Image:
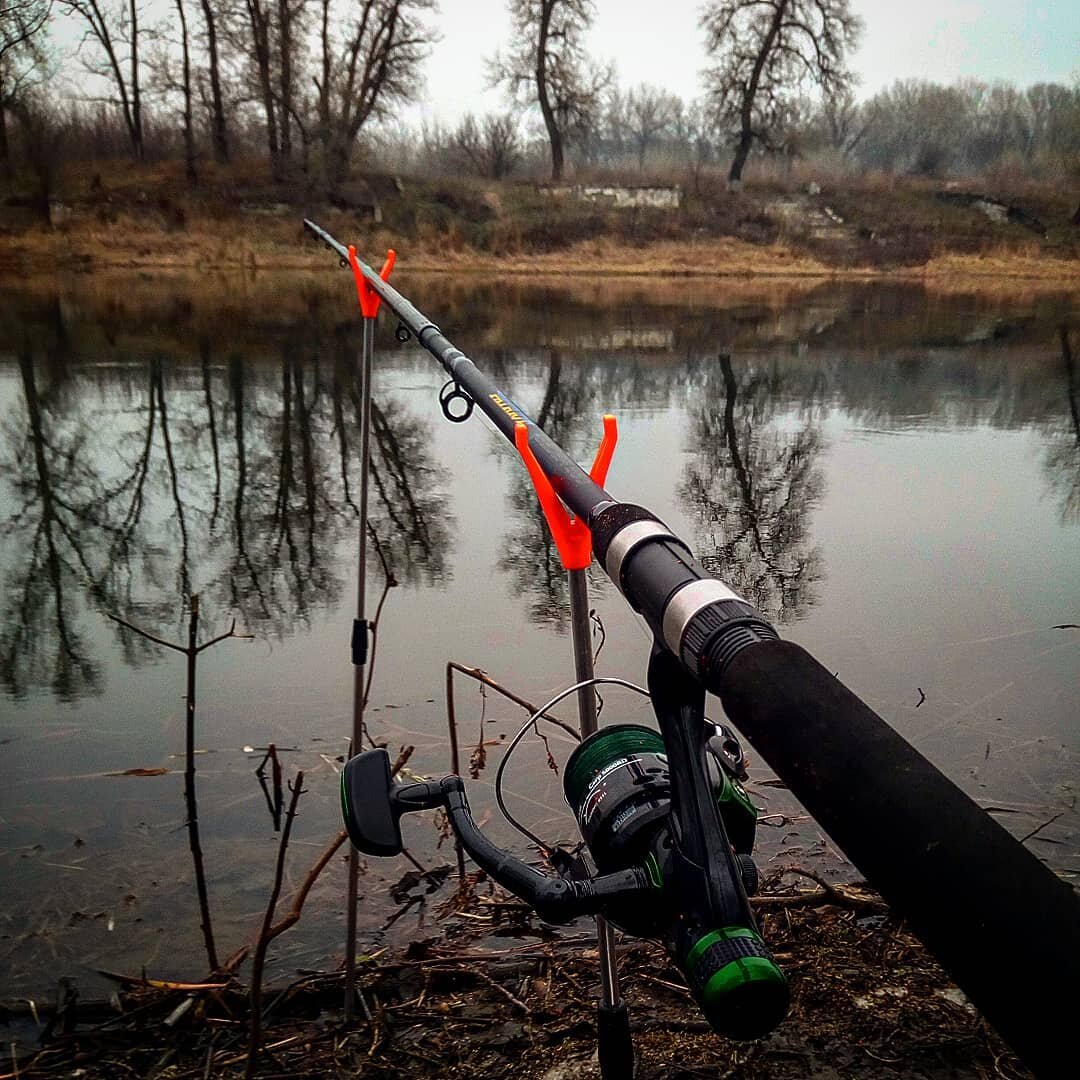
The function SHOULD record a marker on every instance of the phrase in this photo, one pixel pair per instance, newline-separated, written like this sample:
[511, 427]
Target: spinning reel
[668, 826]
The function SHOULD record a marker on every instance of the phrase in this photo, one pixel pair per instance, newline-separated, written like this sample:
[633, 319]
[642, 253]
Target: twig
[827, 893]
[402, 759]
[1039, 828]
[483, 677]
[483, 976]
[455, 759]
[274, 804]
[433, 880]
[145, 633]
[389, 582]
[301, 895]
[266, 936]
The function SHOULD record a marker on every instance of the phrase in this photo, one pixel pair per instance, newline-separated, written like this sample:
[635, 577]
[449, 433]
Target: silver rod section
[583, 665]
[583, 656]
[359, 670]
[609, 965]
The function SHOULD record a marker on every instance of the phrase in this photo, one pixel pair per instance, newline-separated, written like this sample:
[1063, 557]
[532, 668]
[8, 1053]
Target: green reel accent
[734, 980]
[598, 751]
[733, 792]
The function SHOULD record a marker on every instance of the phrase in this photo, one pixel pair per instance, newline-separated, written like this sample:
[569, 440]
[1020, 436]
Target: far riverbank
[946, 235]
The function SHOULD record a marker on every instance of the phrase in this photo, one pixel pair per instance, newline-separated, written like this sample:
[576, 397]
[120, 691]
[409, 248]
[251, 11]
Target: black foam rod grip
[1003, 925]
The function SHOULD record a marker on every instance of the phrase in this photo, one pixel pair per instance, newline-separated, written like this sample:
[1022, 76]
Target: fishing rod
[1003, 925]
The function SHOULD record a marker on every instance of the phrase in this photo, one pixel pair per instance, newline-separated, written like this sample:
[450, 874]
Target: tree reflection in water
[135, 487]
[1062, 463]
[48, 523]
[750, 487]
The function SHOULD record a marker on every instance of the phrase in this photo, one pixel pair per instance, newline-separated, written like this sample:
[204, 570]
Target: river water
[892, 476]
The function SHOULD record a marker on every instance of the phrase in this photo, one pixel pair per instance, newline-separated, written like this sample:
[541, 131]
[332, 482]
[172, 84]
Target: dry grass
[142, 242]
[1002, 267]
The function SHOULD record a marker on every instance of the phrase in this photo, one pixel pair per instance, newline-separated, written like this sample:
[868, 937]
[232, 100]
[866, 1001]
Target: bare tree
[846, 121]
[370, 56]
[697, 127]
[765, 51]
[751, 485]
[21, 22]
[650, 111]
[218, 127]
[260, 43]
[115, 28]
[1055, 120]
[548, 66]
[489, 149]
[189, 133]
[288, 16]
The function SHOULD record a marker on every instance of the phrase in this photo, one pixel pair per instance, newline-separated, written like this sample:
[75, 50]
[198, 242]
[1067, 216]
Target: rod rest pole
[1003, 925]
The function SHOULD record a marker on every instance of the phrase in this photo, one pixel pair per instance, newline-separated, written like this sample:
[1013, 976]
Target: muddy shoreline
[489, 991]
[47, 256]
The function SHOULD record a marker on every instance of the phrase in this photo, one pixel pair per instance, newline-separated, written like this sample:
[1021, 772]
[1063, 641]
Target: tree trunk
[136, 96]
[260, 40]
[285, 46]
[5, 149]
[746, 112]
[322, 132]
[100, 30]
[338, 156]
[742, 152]
[189, 134]
[550, 122]
[219, 135]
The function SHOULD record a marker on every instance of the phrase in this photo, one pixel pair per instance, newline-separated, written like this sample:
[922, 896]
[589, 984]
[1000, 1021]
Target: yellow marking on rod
[507, 408]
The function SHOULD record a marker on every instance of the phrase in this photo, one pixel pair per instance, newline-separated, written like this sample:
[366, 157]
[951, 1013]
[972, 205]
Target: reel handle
[372, 803]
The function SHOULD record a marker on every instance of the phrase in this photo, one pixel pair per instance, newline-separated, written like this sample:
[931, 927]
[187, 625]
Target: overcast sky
[658, 41]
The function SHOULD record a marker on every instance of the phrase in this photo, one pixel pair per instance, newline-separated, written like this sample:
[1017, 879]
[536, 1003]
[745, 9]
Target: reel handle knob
[372, 804]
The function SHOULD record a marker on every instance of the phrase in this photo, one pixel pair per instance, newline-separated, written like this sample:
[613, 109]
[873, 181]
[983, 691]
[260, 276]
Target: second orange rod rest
[572, 536]
[368, 297]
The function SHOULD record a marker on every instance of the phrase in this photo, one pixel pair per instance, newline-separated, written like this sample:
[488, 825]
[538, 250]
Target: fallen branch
[846, 896]
[320, 864]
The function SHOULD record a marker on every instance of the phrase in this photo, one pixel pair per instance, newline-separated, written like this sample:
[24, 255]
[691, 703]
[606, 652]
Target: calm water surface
[893, 477]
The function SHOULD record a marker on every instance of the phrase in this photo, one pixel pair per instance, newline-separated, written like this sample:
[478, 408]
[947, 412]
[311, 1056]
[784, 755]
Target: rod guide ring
[450, 393]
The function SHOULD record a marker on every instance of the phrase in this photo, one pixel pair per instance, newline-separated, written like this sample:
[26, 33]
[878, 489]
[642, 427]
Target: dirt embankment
[149, 219]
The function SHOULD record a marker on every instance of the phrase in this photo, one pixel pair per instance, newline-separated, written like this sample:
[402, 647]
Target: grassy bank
[124, 217]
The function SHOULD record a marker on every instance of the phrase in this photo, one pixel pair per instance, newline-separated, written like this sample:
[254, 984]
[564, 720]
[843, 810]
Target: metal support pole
[583, 656]
[360, 639]
[613, 1028]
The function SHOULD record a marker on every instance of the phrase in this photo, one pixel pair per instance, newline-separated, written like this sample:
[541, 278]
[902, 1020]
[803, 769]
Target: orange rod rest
[368, 297]
[572, 536]
[599, 470]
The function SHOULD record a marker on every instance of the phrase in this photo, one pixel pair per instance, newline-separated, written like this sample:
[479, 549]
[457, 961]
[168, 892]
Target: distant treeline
[311, 87]
[915, 127]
